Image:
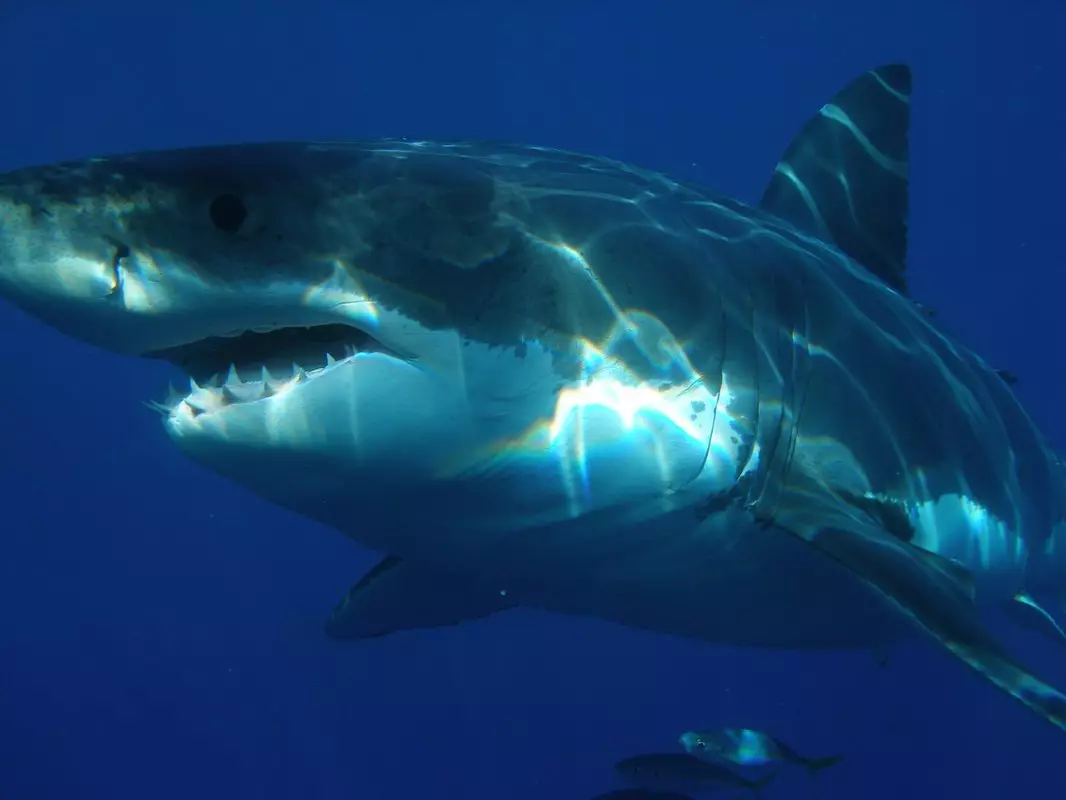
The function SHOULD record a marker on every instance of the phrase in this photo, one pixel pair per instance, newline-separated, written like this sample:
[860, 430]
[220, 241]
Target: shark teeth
[220, 392]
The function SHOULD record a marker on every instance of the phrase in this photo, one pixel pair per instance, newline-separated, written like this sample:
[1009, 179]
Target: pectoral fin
[935, 593]
[1025, 612]
[396, 596]
[950, 569]
[935, 598]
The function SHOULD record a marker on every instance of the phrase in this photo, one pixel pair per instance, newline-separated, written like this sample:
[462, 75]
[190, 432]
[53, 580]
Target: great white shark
[544, 379]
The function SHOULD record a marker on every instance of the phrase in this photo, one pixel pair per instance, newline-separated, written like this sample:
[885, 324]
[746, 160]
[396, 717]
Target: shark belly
[724, 579]
[727, 581]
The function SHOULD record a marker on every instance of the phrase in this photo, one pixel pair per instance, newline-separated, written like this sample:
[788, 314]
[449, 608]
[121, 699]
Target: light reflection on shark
[544, 379]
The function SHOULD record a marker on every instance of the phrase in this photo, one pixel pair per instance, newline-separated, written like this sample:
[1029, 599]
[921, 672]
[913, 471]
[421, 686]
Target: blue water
[161, 630]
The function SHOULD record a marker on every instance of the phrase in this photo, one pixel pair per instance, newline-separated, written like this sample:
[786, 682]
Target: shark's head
[371, 327]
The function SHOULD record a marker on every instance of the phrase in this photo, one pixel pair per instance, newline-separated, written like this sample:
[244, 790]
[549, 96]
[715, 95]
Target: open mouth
[251, 365]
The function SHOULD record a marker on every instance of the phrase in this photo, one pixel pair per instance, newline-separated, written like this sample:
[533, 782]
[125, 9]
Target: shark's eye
[228, 212]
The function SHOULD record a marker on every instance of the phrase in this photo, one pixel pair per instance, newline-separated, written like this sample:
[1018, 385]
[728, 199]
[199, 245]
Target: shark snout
[57, 273]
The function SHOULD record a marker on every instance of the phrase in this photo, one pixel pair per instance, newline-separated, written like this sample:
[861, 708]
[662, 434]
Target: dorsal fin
[844, 177]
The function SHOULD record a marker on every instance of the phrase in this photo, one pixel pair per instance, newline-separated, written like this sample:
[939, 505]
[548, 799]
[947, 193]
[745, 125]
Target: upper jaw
[277, 349]
[256, 365]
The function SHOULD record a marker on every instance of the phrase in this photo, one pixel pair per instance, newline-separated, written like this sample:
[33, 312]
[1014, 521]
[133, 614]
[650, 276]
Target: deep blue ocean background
[161, 630]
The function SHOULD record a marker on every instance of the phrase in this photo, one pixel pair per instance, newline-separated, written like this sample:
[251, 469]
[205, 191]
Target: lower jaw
[243, 384]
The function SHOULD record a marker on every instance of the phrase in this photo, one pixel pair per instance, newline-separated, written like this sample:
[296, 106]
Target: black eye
[228, 212]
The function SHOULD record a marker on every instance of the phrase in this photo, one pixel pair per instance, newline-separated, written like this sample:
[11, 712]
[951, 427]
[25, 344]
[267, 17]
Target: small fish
[641, 794]
[683, 768]
[748, 748]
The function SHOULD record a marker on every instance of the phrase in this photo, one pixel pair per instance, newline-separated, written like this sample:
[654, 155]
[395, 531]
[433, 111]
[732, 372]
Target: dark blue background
[160, 630]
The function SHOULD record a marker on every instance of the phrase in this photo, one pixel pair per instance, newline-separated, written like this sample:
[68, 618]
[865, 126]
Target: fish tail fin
[758, 784]
[816, 765]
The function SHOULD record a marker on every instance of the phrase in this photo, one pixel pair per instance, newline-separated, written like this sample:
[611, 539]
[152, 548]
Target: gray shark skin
[537, 378]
